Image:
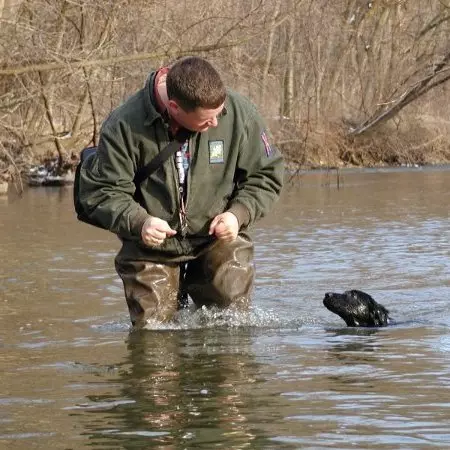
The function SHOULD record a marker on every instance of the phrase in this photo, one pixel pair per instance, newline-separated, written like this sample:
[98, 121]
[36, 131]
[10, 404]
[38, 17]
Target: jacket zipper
[187, 184]
[182, 196]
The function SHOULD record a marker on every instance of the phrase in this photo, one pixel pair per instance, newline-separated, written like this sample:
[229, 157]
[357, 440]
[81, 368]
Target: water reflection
[183, 386]
[290, 375]
[362, 341]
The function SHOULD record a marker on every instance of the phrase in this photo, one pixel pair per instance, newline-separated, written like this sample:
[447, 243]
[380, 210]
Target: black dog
[357, 308]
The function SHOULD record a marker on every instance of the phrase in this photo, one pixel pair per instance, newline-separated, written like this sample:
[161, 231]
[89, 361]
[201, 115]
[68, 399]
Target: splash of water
[204, 318]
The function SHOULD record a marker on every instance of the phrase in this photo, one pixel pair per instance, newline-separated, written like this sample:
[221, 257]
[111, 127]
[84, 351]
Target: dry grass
[413, 143]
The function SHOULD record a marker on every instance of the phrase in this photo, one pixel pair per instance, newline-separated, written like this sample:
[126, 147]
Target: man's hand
[225, 227]
[155, 231]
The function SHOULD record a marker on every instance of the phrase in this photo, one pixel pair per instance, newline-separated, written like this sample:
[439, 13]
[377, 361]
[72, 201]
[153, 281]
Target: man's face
[198, 120]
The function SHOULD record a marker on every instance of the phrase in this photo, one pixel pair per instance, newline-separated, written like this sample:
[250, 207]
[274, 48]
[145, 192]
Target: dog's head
[357, 308]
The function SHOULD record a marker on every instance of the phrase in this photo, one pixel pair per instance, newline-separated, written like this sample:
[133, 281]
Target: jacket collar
[151, 113]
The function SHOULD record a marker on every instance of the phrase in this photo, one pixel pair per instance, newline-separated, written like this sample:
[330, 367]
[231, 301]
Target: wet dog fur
[357, 309]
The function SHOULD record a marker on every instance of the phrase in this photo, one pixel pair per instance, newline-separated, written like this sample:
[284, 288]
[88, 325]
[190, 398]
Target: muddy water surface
[289, 374]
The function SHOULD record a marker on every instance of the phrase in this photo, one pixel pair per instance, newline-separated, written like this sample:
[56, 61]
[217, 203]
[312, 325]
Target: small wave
[204, 318]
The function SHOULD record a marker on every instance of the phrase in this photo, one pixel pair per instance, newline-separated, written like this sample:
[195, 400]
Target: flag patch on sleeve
[267, 147]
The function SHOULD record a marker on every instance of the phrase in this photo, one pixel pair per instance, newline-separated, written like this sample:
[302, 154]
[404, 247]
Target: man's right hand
[155, 231]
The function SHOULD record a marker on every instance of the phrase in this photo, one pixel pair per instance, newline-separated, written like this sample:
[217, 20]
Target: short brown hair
[193, 82]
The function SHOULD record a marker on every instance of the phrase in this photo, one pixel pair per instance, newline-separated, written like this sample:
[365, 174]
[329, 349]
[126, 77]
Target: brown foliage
[338, 81]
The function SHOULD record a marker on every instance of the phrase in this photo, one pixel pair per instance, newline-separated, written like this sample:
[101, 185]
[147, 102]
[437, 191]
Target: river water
[287, 375]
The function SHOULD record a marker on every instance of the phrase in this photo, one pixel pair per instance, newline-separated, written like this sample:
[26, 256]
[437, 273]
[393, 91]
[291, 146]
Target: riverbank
[335, 148]
[318, 152]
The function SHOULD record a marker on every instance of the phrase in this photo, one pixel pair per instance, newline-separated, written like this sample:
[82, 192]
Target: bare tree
[321, 63]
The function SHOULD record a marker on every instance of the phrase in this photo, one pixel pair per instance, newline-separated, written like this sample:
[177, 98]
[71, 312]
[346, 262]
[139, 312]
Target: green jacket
[233, 168]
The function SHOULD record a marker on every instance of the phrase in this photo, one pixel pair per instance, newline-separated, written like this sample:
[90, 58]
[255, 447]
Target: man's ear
[173, 106]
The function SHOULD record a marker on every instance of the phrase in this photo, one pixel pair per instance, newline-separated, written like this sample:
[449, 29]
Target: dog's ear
[359, 295]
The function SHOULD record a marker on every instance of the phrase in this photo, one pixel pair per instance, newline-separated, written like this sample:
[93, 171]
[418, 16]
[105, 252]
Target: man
[188, 232]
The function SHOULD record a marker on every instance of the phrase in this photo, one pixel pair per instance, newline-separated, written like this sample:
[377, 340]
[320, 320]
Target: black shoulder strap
[144, 172]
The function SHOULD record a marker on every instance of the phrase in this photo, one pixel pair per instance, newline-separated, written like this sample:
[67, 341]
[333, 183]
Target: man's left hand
[225, 227]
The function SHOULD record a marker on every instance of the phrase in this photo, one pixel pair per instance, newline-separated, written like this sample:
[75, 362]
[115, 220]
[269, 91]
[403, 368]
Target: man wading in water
[186, 232]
